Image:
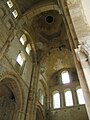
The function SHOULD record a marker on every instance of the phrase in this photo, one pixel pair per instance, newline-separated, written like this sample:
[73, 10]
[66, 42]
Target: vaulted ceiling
[49, 34]
[26, 5]
[52, 44]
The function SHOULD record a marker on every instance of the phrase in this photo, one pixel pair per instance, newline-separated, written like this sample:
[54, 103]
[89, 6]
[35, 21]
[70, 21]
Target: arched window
[15, 13]
[28, 48]
[9, 3]
[20, 58]
[56, 99]
[41, 97]
[65, 77]
[80, 96]
[68, 98]
[23, 39]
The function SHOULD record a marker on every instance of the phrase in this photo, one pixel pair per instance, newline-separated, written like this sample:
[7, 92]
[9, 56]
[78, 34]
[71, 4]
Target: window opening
[68, 98]
[15, 13]
[23, 39]
[80, 96]
[41, 97]
[65, 77]
[9, 3]
[56, 99]
[20, 58]
[28, 48]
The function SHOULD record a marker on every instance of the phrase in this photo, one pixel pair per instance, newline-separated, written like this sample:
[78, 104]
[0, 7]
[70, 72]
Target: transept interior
[44, 60]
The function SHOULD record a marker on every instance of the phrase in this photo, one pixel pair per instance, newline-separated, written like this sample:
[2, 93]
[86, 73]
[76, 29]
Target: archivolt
[30, 14]
[13, 83]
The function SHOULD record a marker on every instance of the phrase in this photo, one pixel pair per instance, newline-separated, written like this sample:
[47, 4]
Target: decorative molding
[85, 49]
[72, 1]
[11, 80]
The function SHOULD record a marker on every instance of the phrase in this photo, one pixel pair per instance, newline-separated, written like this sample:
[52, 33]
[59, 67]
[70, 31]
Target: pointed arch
[14, 84]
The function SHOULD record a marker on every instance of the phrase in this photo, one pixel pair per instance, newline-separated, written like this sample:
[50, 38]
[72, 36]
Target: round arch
[41, 9]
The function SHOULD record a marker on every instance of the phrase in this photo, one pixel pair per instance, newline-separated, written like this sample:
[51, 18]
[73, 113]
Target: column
[20, 115]
[32, 97]
[51, 101]
[84, 86]
[62, 99]
[74, 95]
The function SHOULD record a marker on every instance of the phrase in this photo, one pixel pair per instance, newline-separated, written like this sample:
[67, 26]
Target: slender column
[75, 99]
[63, 4]
[51, 101]
[62, 99]
[86, 66]
[84, 70]
[48, 102]
[32, 98]
[84, 88]
[20, 115]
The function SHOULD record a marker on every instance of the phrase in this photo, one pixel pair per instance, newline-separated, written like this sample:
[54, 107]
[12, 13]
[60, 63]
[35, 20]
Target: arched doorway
[7, 103]
[10, 99]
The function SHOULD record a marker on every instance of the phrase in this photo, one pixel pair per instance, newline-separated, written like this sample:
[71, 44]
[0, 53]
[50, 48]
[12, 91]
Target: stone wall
[70, 113]
[10, 47]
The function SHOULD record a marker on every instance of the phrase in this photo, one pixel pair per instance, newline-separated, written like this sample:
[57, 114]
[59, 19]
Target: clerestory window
[15, 13]
[20, 58]
[41, 97]
[65, 77]
[9, 3]
[80, 96]
[68, 98]
[28, 48]
[23, 39]
[56, 99]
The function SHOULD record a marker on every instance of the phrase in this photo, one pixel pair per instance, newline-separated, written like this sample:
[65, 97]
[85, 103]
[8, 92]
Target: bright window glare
[23, 39]
[65, 77]
[80, 96]
[15, 13]
[9, 3]
[28, 48]
[56, 100]
[20, 58]
[41, 97]
[68, 98]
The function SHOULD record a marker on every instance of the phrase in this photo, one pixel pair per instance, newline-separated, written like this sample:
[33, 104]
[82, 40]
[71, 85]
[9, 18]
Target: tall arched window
[68, 98]
[23, 39]
[41, 97]
[80, 96]
[28, 48]
[65, 77]
[56, 99]
[20, 58]
[9, 3]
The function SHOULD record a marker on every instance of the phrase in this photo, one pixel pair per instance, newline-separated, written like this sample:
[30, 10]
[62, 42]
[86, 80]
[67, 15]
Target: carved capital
[86, 49]
[81, 53]
[77, 51]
